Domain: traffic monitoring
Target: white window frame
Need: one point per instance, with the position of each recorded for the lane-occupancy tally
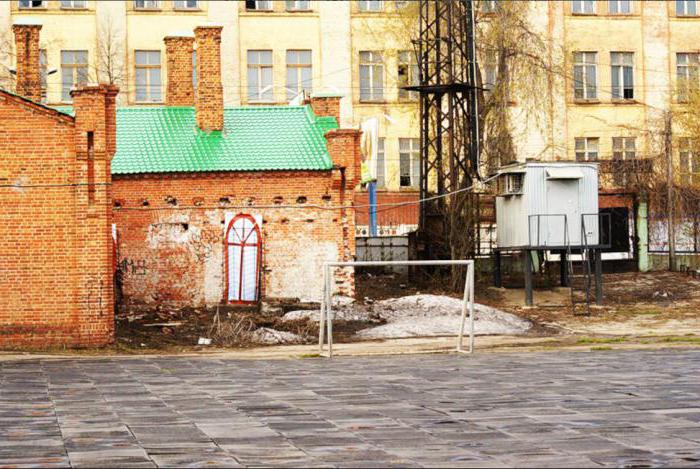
(615, 7)
(686, 8)
(73, 4)
(370, 6)
(624, 148)
(689, 161)
(298, 68)
(146, 4)
(587, 148)
(620, 62)
(260, 5)
(584, 62)
(262, 93)
(29, 4)
(488, 6)
(412, 155)
(583, 7)
(687, 74)
(372, 62)
(79, 73)
(150, 96)
(182, 5)
(298, 5)
(407, 61)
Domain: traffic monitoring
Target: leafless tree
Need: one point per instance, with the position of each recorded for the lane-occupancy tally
(109, 51)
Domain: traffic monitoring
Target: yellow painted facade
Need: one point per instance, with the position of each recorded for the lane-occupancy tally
(336, 32)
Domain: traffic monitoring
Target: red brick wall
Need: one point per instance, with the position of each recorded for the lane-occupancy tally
(399, 215)
(28, 71)
(55, 247)
(180, 90)
(171, 252)
(209, 99)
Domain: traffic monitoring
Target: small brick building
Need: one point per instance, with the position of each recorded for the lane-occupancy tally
(56, 263)
(231, 205)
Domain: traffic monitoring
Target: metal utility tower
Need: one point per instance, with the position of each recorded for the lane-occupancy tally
(449, 127)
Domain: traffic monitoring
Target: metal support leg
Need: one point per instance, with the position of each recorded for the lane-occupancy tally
(563, 269)
(598, 277)
(497, 282)
(528, 277)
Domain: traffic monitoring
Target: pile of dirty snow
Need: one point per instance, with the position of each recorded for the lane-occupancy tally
(418, 315)
(268, 336)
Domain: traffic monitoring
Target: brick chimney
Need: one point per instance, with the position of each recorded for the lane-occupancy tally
(326, 105)
(209, 101)
(96, 113)
(28, 68)
(178, 49)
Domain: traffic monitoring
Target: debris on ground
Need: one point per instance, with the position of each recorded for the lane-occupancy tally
(268, 336)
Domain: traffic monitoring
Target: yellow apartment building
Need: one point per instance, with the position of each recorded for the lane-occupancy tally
(622, 60)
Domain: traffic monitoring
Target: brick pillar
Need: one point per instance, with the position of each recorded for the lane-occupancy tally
(28, 68)
(95, 142)
(178, 50)
(326, 105)
(209, 101)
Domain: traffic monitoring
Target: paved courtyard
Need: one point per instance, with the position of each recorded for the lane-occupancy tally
(614, 408)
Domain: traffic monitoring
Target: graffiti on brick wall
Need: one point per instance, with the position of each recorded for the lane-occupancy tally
(202, 243)
(127, 266)
(199, 242)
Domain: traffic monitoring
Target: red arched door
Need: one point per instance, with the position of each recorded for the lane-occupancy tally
(243, 243)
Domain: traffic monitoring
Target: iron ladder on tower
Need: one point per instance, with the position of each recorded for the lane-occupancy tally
(580, 275)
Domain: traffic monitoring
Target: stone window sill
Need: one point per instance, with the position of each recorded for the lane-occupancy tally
(586, 101)
(624, 101)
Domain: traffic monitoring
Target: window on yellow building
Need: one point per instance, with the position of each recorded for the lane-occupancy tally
(32, 4)
(408, 74)
(585, 75)
(686, 8)
(687, 74)
(488, 6)
(586, 148)
(74, 71)
(381, 166)
(409, 162)
(371, 76)
(260, 75)
(261, 5)
(298, 72)
(186, 4)
(624, 148)
(73, 4)
(147, 76)
(622, 69)
(619, 7)
(689, 159)
(583, 7)
(298, 5)
(370, 5)
(146, 4)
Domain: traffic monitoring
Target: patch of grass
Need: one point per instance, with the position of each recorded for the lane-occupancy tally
(601, 349)
(682, 339)
(600, 340)
(310, 355)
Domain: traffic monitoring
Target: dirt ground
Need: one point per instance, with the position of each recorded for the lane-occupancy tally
(635, 304)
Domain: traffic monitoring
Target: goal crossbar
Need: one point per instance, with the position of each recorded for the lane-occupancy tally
(325, 333)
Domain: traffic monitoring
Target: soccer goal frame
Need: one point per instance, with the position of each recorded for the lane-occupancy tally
(326, 318)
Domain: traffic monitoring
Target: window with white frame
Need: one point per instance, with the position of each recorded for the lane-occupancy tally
(586, 148)
(370, 5)
(32, 4)
(74, 71)
(686, 8)
(622, 69)
(689, 159)
(687, 76)
(585, 75)
(409, 162)
(146, 4)
(619, 7)
(489, 70)
(186, 4)
(147, 75)
(260, 75)
(371, 76)
(400, 4)
(488, 6)
(77, 4)
(298, 5)
(262, 5)
(43, 73)
(298, 72)
(381, 163)
(408, 75)
(624, 148)
(583, 7)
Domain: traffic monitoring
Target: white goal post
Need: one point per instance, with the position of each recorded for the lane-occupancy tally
(326, 319)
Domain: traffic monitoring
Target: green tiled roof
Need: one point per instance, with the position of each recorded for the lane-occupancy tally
(269, 138)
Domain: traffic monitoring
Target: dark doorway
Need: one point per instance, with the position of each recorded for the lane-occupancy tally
(615, 229)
